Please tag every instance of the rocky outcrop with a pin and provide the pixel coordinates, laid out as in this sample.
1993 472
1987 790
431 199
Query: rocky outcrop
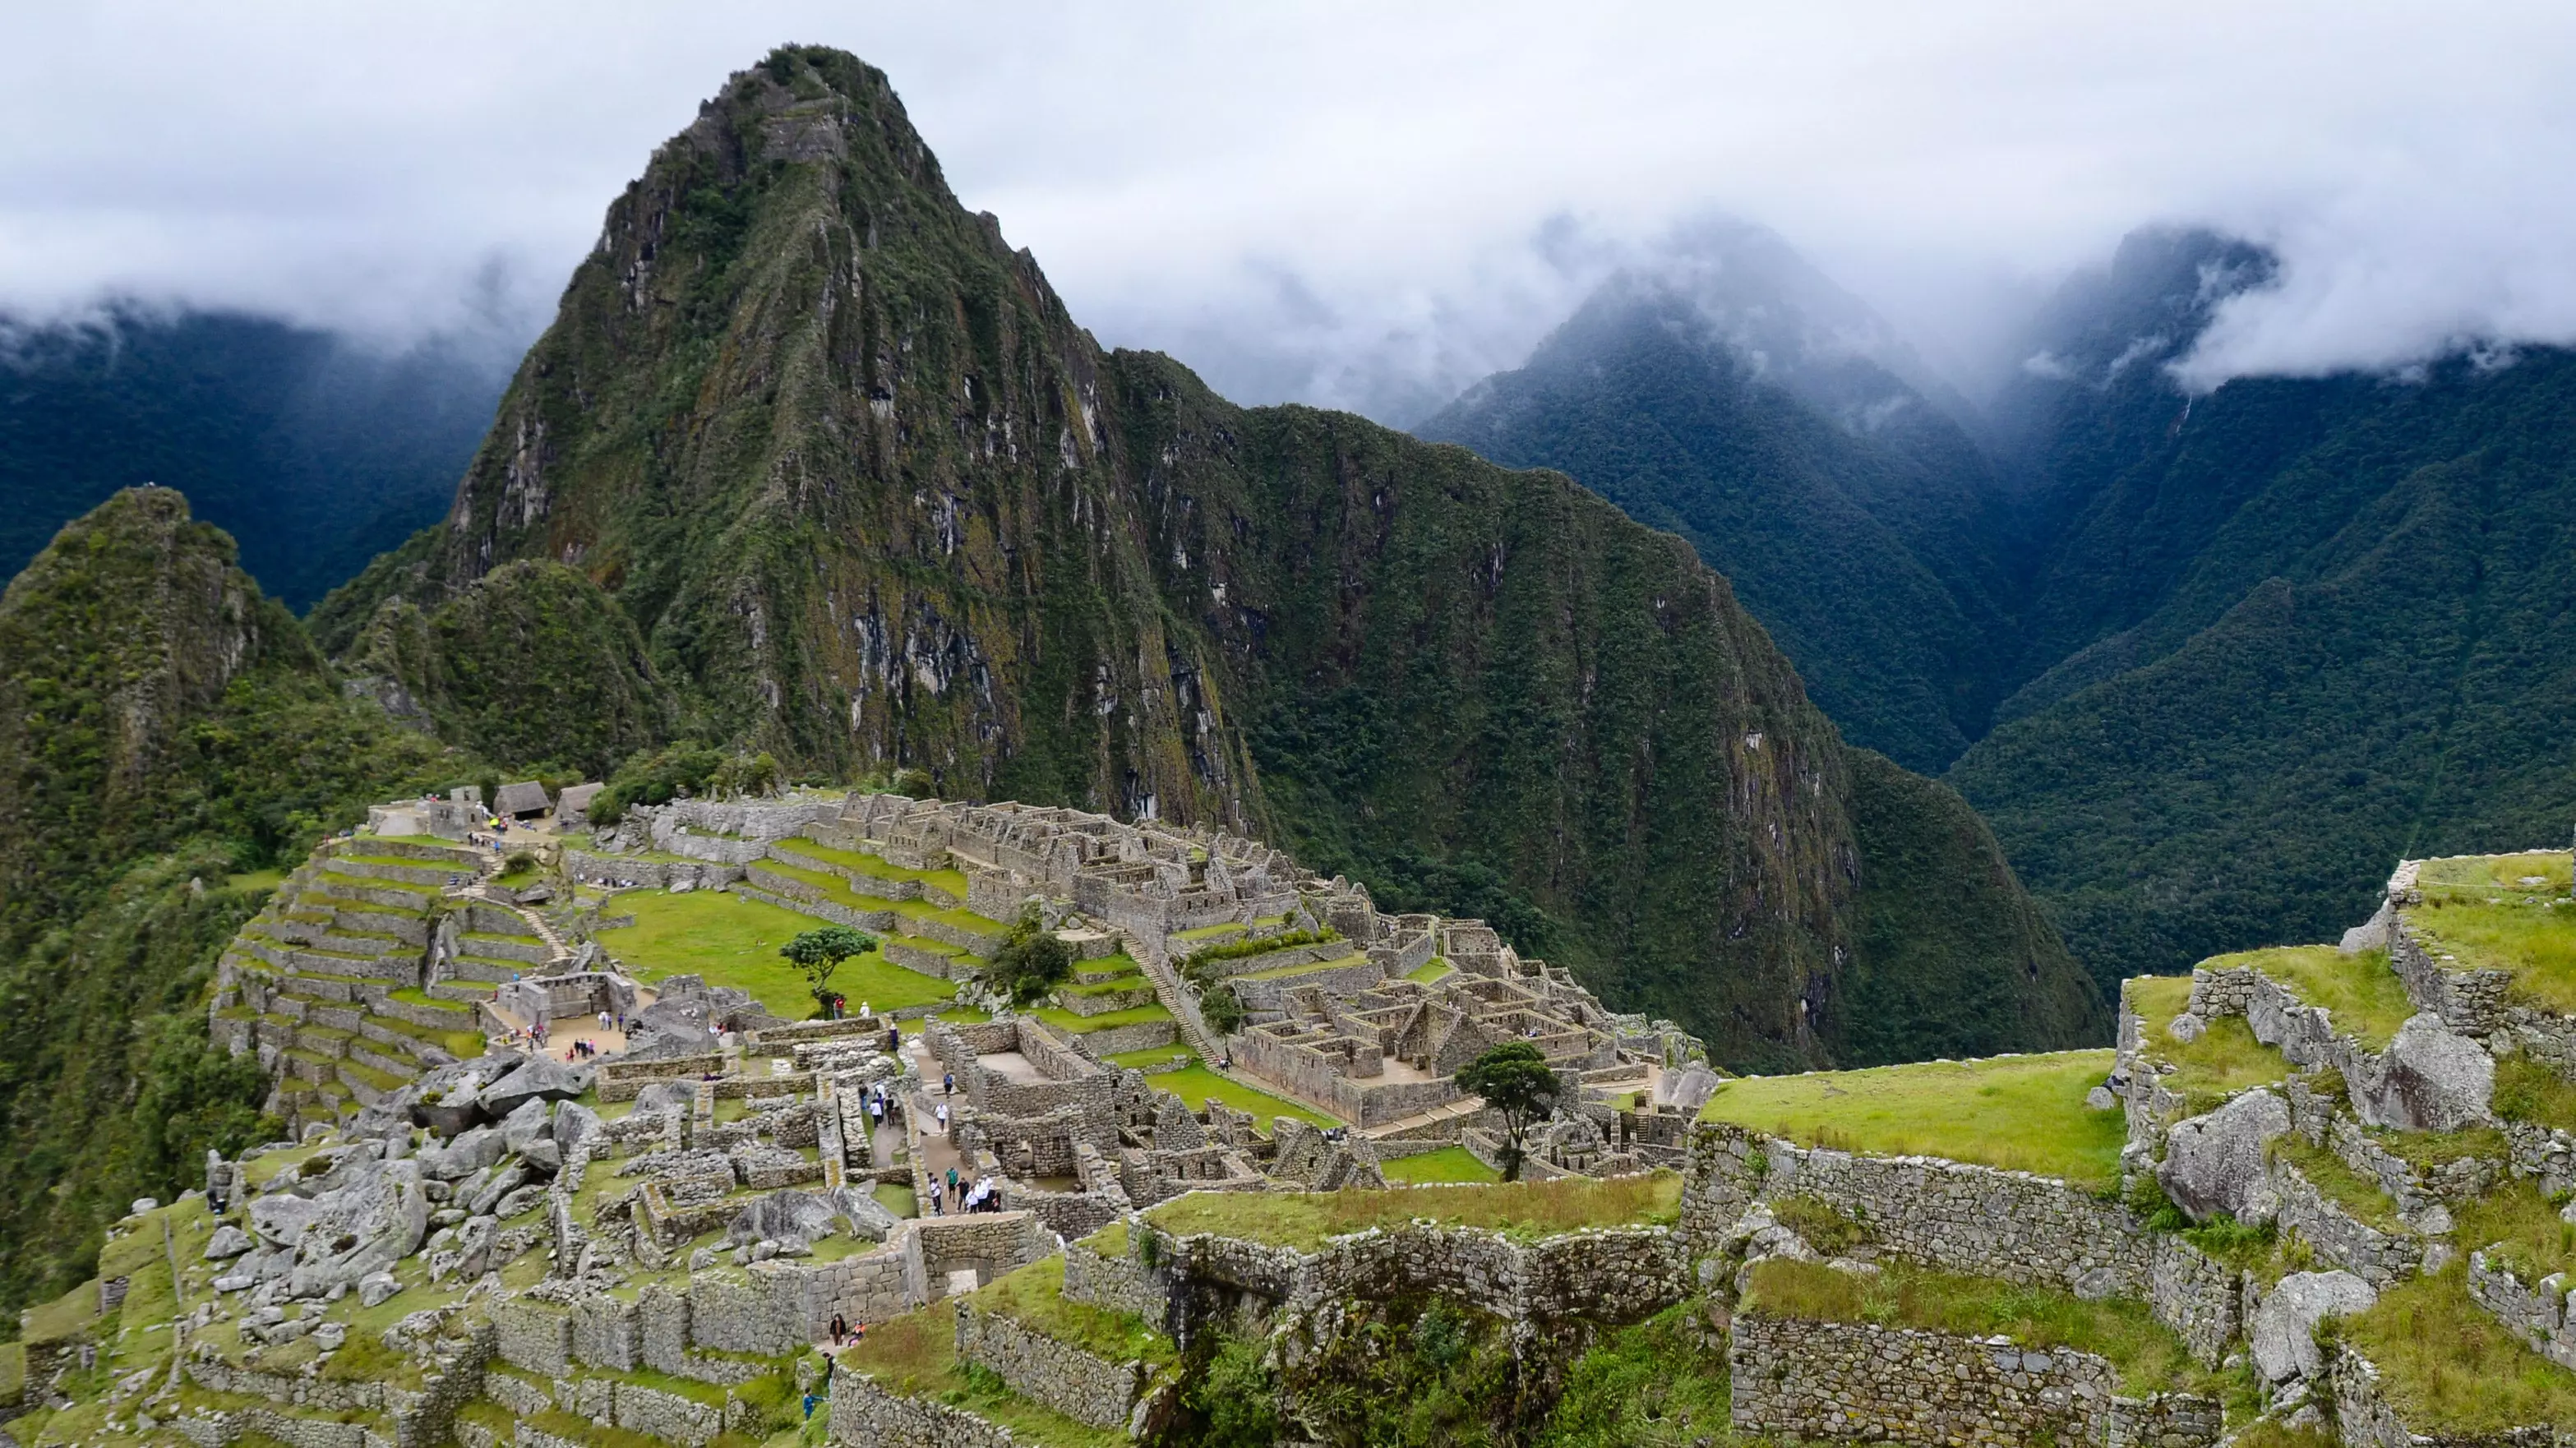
2283 1334
2220 1162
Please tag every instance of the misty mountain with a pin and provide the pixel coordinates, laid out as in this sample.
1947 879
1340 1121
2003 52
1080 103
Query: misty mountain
2285 632
316 451
873 499
1740 399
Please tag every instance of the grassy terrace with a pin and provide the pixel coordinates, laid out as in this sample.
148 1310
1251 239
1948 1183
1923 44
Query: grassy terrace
2225 1060
2356 1194
1195 1083
1034 1297
2532 872
2530 1092
734 941
2150 1357
1076 1025
2521 1230
1448 1164
2018 1113
916 1355
860 863
837 889
2450 1369
2361 992
1285 972
1305 1220
2531 936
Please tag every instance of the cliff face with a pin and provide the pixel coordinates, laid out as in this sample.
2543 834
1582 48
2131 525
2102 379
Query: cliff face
874 500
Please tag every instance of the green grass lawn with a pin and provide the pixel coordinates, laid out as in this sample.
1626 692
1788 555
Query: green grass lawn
1448 1164
2532 872
915 1355
2356 1194
2225 1060
2534 940
2518 1227
733 941
2361 992
1152 1059
2527 1091
250 880
2019 1113
1066 1021
857 862
1034 1295
1535 1209
2150 1357
1195 1083
1429 970
837 889
2450 1369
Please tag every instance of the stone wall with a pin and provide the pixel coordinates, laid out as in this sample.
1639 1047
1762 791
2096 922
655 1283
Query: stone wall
2468 1001
596 868
2537 1312
1063 1377
1802 1379
865 1414
2377 1257
1119 1284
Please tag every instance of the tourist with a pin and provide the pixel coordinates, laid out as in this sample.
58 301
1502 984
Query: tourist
864 1011
603 1020
840 1328
952 1181
948 1084
943 1118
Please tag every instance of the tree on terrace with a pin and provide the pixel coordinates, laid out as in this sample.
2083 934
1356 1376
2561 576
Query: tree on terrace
1515 1080
820 952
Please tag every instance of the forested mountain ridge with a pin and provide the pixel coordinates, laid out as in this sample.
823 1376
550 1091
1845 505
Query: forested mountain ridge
2309 625
163 726
874 500
1858 521
315 450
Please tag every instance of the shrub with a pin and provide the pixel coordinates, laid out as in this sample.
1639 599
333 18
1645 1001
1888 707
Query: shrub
1031 960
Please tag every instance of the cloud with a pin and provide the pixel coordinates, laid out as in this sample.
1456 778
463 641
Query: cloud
1354 204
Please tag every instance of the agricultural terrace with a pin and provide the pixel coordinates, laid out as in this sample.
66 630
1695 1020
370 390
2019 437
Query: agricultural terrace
1305 1220
2360 990
2016 1113
2148 1355
2223 1061
734 941
2520 929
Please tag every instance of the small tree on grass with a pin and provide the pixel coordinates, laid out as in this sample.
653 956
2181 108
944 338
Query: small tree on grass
820 952
1515 1080
1222 1008
1032 961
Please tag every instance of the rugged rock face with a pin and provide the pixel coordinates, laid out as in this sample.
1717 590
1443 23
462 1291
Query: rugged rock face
2284 1331
874 500
2218 1162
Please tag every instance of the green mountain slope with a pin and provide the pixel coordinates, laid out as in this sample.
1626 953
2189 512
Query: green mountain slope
2315 624
1860 524
316 451
162 725
874 500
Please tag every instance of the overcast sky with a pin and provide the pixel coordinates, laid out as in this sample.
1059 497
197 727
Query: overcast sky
1363 205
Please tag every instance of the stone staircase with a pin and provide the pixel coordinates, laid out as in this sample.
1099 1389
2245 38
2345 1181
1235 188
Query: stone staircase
1176 998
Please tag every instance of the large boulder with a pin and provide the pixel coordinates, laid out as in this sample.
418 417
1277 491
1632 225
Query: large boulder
783 1217
2220 1162
664 1096
535 1119
866 1215
364 1228
2284 1330
469 1153
574 1124
2431 1078
541 1078
228 1242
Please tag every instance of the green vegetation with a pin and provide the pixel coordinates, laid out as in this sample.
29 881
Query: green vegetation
1448 1164
817 954
2521 1230
2486 877
2340 1184
2529 1092
2450 1369
1528 1209
1034 1296
2360 991
2223 1061
2534 940
2149 1356
1515 1081
2020 1113
1080 1025
1194 965
916 1355
949 882
1030 961
1653 1385
1195 1083
734 941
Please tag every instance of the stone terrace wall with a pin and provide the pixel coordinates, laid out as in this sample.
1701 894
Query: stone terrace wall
1119 1284
2006 1224
2537 1314
2468 1001
1803 1379
863 1413
1609 1274
1059 1375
